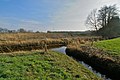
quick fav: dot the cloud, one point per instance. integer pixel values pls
(14, 23)
(72, 17)
(31, 25)
(110, 2)
(74, 13)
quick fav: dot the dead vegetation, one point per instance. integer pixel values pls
(10, 42)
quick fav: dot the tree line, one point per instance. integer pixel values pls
(105, 21)
(21, 30)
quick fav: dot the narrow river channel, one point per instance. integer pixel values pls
(62, 50)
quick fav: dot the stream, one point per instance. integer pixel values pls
(62, 50)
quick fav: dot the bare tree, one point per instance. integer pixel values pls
(100, 18)
(92, 20)
(106, 13)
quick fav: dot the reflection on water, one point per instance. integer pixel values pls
(62, 50)
(94, 71)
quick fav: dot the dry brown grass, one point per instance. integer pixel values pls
(27, 36)
(10, 42)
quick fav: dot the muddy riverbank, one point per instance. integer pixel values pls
(99, 62)
(63, 50)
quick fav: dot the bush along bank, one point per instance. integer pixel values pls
(97, 59)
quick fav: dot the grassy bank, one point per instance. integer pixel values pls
(38, 66)
(112, 46)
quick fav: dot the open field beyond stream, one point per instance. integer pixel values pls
(10, 42)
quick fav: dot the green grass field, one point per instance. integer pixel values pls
(38, 66)
(112, 46)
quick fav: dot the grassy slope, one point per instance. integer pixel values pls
(38, 66)
(112, 46)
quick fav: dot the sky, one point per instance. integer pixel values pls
(44, 15)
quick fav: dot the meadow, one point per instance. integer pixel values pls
(37, 65)
(112, 46)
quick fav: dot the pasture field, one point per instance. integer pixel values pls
(112, 46)
(36, 65)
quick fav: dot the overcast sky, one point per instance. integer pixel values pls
(43, 15)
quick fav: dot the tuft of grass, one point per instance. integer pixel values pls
(112, 46)
(37, 66)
